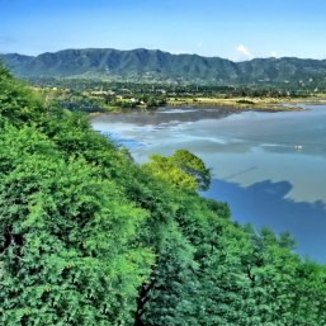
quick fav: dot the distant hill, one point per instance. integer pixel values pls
(156, 66)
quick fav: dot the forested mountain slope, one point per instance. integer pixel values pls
(87, 237)
(158, 66)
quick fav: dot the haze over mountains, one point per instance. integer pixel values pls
(144, 65)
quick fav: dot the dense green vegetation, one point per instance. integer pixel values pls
(93, 96)
(87, 237)
(155, 66)
(89, 95)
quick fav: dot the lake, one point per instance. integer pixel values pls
(269, 167)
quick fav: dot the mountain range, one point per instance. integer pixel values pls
(145, 65)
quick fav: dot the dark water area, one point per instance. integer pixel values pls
(265, 204)
(269, 167)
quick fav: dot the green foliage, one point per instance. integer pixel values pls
(245, 102)
(182, 169)
(89, 238)
(17, 104)
(194, 166)
(68, 238)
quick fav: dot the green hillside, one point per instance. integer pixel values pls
(87, 237)
(156, 66)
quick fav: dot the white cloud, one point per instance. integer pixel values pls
(274, 54)
(199, 45)
(244, 52)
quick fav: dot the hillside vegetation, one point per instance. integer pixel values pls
(87, 237)
(142, 65)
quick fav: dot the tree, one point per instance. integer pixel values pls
(67, 250)
(182, 169)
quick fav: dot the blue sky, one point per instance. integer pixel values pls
(235, 29)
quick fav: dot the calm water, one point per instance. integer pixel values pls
(256, 166)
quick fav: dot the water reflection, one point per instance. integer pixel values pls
(266, 203)
(270, 167)
(165, 115)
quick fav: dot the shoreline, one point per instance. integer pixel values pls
(232, 104)
(236, 104)
(246, 104)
